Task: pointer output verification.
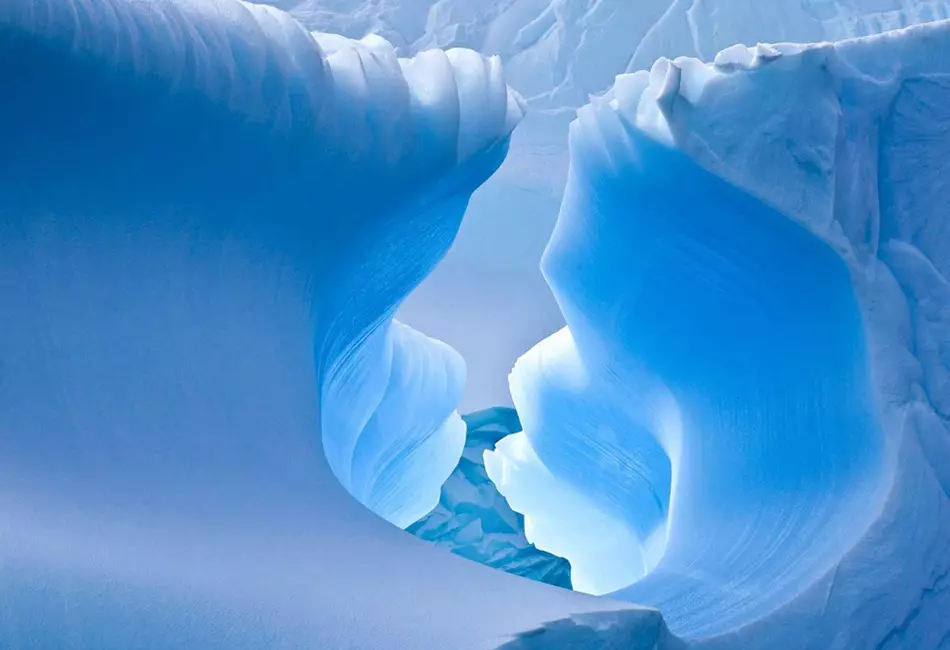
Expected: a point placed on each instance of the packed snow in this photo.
(751, 262)
(207, 218)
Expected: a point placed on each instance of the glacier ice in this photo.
(556, 53)
(398, 459)
(749, 260)
(208, 216)
(595, 527)
(474, 521)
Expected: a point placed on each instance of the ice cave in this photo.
(474, 325)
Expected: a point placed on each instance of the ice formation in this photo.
(474, 521)
(207, 218)
(556, 53)
(751, 259)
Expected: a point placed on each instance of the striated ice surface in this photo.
(474, 521)
(751, 259)
(399, 456)
(208, 217)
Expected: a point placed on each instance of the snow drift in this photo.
(207, 218)
(751, 259)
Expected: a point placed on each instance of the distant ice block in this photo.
(751, 258)
(474, 521)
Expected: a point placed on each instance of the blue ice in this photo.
(738, 333)
(747, 358)
(208, 216)
(473, 520)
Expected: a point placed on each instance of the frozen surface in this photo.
(601, 500)
(474, 521)
(751, 259)
(556, 53)
(207, 218)
(397, 459)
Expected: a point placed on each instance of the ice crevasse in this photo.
(208, 216)
(751, 390)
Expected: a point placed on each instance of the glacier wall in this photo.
(208, 216)
(557, 53)
(749, 259)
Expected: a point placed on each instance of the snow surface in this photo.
(474, 521)
(752, 260)
(207, 218)
(556, 53)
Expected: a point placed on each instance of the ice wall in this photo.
(433, 115)
(556, 53)
(750, 259)
(207, 218)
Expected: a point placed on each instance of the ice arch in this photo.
(739, 258)
(163, 135)
(207, 217)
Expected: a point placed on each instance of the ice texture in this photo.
(474, 521)
(398, 457)
(208, 216)
(556, 53)
(752, 260)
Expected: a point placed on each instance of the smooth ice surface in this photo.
(611, 529)
(398, 460)
(556, 53)
(474, 521)
(752, 258)
(207, 218)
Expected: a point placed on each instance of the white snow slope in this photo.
(207, 218)
(556, 53)
(752, 259)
